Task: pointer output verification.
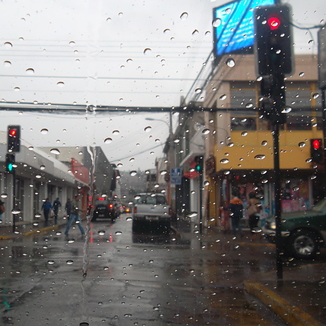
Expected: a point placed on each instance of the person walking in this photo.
(2, 210)
(74, 216)
(68, 207)
(56, 206)
(46, 207)
(254, 207)
(236, 208)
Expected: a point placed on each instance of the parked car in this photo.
(150, 208)
(303, 233)
(106, 209)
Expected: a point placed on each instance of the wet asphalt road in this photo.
(115, 277)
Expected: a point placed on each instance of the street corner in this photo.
(290, 313)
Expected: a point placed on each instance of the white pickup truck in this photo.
(150, 208)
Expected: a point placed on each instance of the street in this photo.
(115, 277)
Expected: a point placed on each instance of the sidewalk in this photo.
(299, 298)
(25, 229)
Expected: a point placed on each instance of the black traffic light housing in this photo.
(316, 151)
(273, 40)
(10, 162)
(13, 139)
(199, 164)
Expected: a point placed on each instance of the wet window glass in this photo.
(162, 162)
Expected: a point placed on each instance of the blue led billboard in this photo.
(233, 26)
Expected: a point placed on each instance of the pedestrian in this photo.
(253, 209)
(46, 207)
(68, 207)
(236, 209)
(2, 210)
(74, 216)
(56, 206)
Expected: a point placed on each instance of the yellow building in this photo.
(239, 145)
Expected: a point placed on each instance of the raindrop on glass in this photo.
(30, 71)
(230, 62)
(224, 161)
(107, 140)
(133, 173)
(44, 131)
(148, 128)
(184, 16)
(60, 84)
(55, 151)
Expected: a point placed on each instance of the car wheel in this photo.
(304, 244)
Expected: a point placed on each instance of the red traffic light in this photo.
(273, 23)
(316, 143)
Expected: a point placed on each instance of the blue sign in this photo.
(176, 176)
(233, 25)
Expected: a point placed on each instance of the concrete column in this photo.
(28, 200)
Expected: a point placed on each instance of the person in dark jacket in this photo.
(56, 206)
(68, 207)
(236, 209)
(46, 207)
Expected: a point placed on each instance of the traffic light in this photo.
(199, 164)
(273, 40)
(13, 139)
(316, 151)
(10, 162)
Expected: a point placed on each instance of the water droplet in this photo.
(4, 195)
(206, 183)
(264, 143)
(17, 89)
(42, 167)
(30, 71)
(44, 131)
(244, 133)
(286, 110)
(195, 32)
(230, 144)
(302, 144)
(101, 232)
(60, 84)
(118, 232)
(8, 45)
(72, 43)
(230, 62)
(107, 140)
(217, 22)
(166, 31)
(198, 90)
(301, 74)
(55, 151)
(132, 159)
(7, 64)
(222, 97)
(224, 161)
(163, 172)
(133, 173)
(147, 51)
(148, 128)
(206, 131)
(315, 95)
(115, 132)
(184, 16)
(50, 262)
(31, 148)
(69, 262)
(176, 141)
(15, 211)
(260, 157)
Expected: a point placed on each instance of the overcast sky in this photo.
(136, 53)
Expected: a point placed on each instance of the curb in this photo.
(284, 309)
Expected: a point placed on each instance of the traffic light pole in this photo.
(13, 201)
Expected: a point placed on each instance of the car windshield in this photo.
(151, 200)
(213, 111)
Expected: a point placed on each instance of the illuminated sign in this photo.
(233, 26)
